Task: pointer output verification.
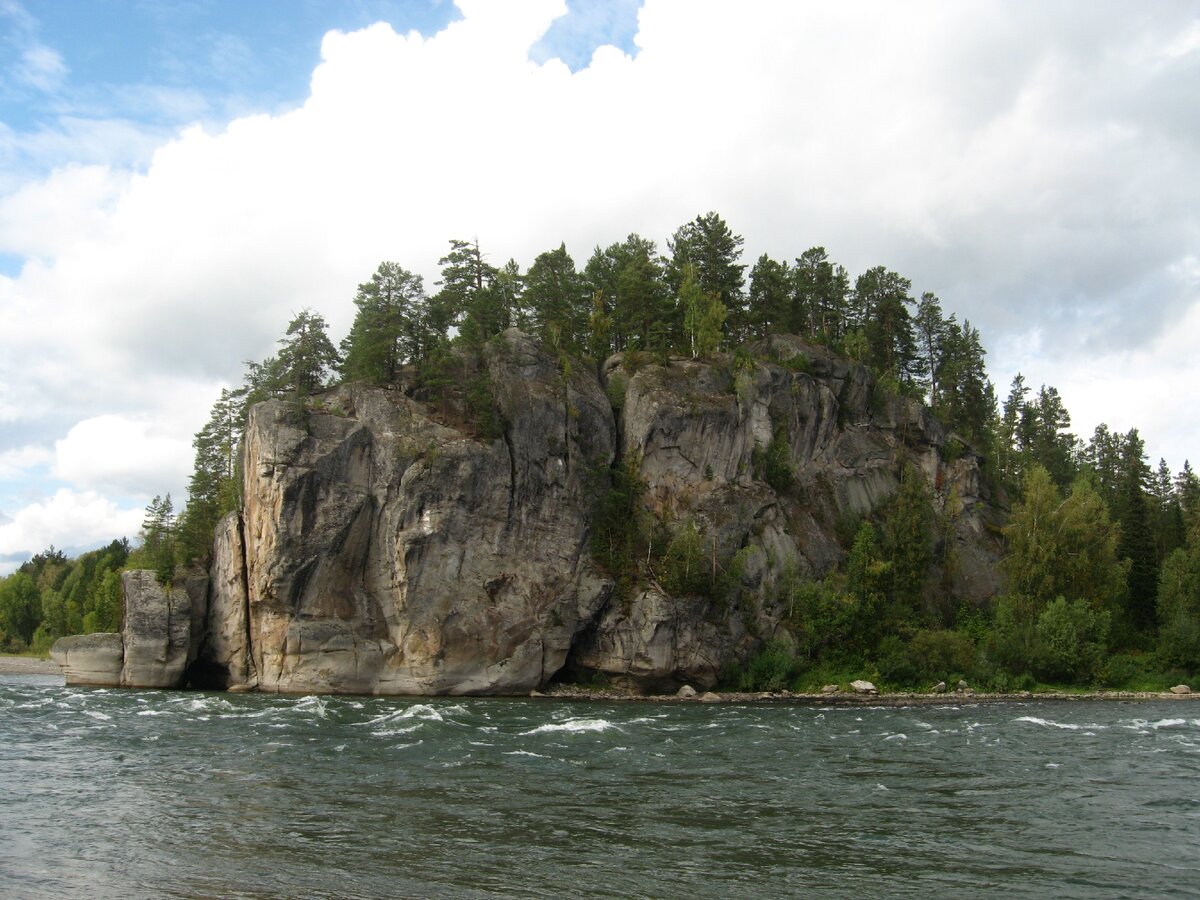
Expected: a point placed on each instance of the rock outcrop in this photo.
(389, 542)
(90, 659)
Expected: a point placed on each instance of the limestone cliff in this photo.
(386, 545)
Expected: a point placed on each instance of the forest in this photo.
(1102, 549)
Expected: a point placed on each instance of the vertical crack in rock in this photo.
(251, 665)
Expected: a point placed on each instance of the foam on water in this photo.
(1065, 726)
(574, 726)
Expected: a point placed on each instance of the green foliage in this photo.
(1179, 606)
(1063, 548)
(908, 541)
(20, 606)
(941, 654)
(615, 388)
(481, 407)
(771, 669)
(621, 527)
(773, 464)
(1071, 641)
(687, 564)
(390, 328)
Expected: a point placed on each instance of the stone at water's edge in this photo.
(1181, 689)
(863, 687)
(90, 659)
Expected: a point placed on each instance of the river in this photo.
(130, 794)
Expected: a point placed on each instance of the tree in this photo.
(908, 541)
(708, 244)
(881, 301)
(558, 301)
(819, 304)
(158, 537)
(1138, 543)
(1178, 605)
(1062, 548)
(770, 300)
(306, 355)
(932, 334)
(213, 488)
(468, 297)
(389, 328)
(20, 606)
(703, 315)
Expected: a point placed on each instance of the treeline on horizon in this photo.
(1103, 551)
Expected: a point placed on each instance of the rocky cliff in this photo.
(385, 545)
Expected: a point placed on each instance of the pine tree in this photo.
(713, 249)
(770, 299)
(558, 300)
(389, 328)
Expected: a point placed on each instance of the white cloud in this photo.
(41, 67)
(67, 519)
(116, 454)
(18, 460)
(1033, 166)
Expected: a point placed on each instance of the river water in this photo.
(129, 794)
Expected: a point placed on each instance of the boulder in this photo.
(939, 688)
(710, 697)
(829, 689)
(158, 635)
(1181, 689)
(863, 687)
(90, 659)
(686, 692)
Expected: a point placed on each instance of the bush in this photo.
(771, 669)
(894, 663)
(938, 654)
(1071, 640)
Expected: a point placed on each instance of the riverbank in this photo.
(28, 665)
(850, 698)
(31, 665)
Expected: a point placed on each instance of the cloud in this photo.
(1033, 166)
(18, 460)
(68, 519)
(41, 67)
(119, 455)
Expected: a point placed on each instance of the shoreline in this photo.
(29, 665)
(849, 698)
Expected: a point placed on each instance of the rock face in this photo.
(387, 553)
(162, 628)
(391, 543)
(90, 659)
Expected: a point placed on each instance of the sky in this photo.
(178, 178)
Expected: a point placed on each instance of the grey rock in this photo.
(388, 553)
(962, 686)
(710, 697)
(863, 687)
(90, 659)
(387, 548)
(224, 656)
(686, 692)
(830, 689)
(158, 635)
(939, 688)
(1181, 689)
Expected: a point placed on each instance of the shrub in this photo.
(941, 653)
(1071, 640)
(771, 669)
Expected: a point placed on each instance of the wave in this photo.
(1065, 726)
(574, 726)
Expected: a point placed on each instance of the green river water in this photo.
(130, 794)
